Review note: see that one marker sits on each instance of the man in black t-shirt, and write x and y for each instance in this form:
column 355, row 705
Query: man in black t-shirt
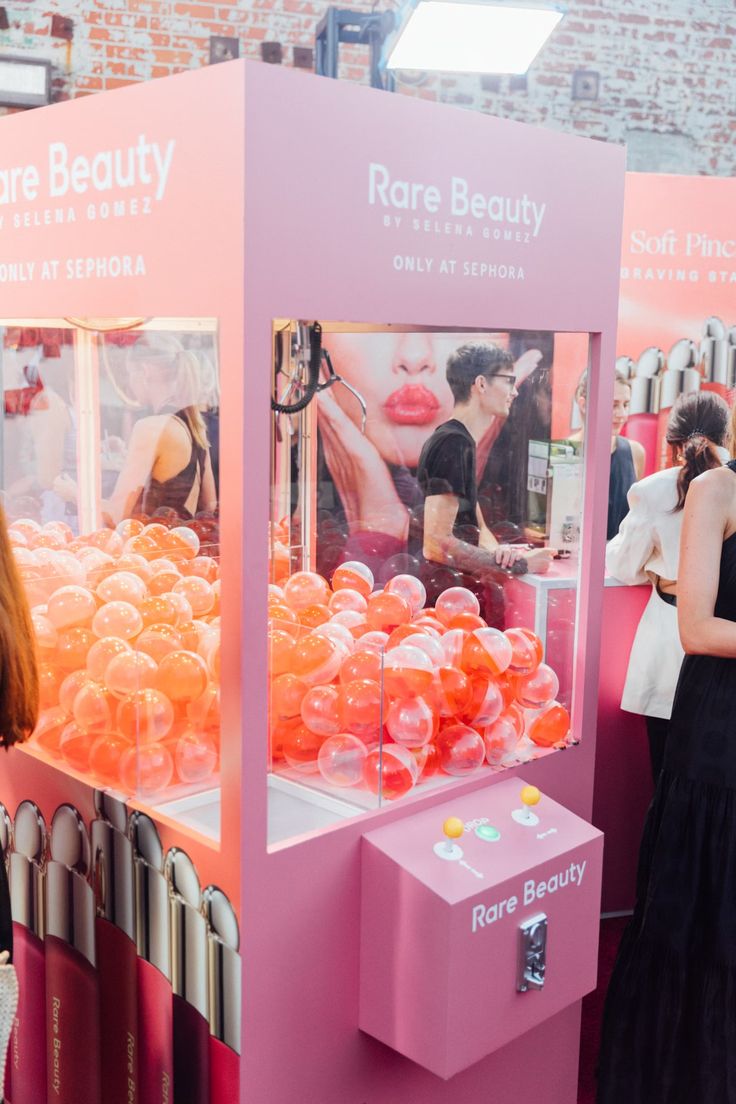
column 453, row 532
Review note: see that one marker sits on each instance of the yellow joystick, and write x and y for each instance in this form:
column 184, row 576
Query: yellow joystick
column 530, row 795
column 453, row 828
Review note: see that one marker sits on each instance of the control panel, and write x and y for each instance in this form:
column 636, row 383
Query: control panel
column 491, row 902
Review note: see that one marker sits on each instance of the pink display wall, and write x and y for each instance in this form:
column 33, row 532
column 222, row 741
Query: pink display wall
column 293, row 197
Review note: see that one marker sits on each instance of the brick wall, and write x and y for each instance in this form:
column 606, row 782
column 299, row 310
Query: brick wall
column 661, row 71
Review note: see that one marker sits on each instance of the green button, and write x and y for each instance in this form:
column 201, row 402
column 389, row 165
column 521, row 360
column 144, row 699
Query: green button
column 487, row 832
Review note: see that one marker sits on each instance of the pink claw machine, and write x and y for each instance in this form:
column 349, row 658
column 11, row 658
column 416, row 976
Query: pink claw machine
column 276, row 771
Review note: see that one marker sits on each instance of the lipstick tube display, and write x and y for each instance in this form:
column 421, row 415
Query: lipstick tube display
column 681, row 377
column 645, row 390
column 26, row 1083
column 153, row 968
column 225, row 992
column 72, row 989
column 189, row 980
column 112, row 866
column 714, row 357
column 6, row 838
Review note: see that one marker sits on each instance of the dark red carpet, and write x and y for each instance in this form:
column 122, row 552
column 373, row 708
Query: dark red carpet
column 611, row 932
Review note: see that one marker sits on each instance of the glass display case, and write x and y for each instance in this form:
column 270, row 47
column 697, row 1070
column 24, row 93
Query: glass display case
column 110, row 479
column 399, row 663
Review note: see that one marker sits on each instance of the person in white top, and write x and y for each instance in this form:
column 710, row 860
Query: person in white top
column 647, row 549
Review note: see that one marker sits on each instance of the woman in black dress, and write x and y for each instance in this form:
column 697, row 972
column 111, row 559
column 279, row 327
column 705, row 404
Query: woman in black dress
column 669, row 1031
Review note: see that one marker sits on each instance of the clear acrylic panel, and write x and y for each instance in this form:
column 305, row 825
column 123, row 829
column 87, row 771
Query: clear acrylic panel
column 419, row 632
column 110, row 478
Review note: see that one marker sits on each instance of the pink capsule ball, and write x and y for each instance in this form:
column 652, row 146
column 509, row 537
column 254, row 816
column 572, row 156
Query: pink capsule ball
column 341, row 760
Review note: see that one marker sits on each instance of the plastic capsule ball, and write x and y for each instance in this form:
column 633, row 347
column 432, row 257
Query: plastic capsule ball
column 360, row 705
column 145, row 716
column 320, row 710
column 551, row 726
column 163, row 582
column 427, row 759
column 107, row 540
column 401, row 634
column 122, row 586
column 386, row 611
column 468, row 622
column 284, row 617
column 341, row 635
column 315, row 659
column 195, row 757
column 158, row 640
column 287, row 695
column 356, row 623
column 501, row 739
column 453, row 643
column 129, row 527
column 129, row 671
column 539, row 689
column 182, row 538
column 407, row 671
column 453, row 601
column 486, row 703
column 361, row 665
column 429, row 645
column 182, row 676
column 100, row 654
column 353, row 576
column 306, row 588
column 156, row 609
column 410, row 589
column 347, row 599
column 411, row 722
column 70, row 606
column 75, row 745
column 204, row 712
column 49, row 727
column 341, row 760
column 204, row 566
column 526, row 650
column 486, row 652
column 49, row 681
column 372, row 641
column 198, row 592
column 93, row 708
column 70, row 686
column 312, row 616
column 280, row 650
column 117, row 619
column 390, row 772
column 146, row 770
column 515, row 714
column 451, row 691
column 461, row 750
column 44, row 632
column 104, row 756
column 183, row 612
column 430, row 625
column 72, row 647
column 300, row 749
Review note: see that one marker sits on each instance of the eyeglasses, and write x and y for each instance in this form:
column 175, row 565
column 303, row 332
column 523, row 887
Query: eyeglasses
column 504, row 376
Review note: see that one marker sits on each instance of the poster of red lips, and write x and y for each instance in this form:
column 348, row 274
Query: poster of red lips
column 392, row 396
column 677, row 309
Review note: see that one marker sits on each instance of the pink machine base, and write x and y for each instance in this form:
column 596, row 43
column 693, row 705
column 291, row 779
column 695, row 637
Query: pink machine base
column 440, row 936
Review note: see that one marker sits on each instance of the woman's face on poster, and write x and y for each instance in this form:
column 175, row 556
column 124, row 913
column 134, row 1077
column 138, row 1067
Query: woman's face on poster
column 402, row 378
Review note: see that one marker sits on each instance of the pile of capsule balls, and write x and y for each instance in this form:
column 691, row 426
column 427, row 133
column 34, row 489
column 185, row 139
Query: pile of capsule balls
column 371, row 689
column 127, row 633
